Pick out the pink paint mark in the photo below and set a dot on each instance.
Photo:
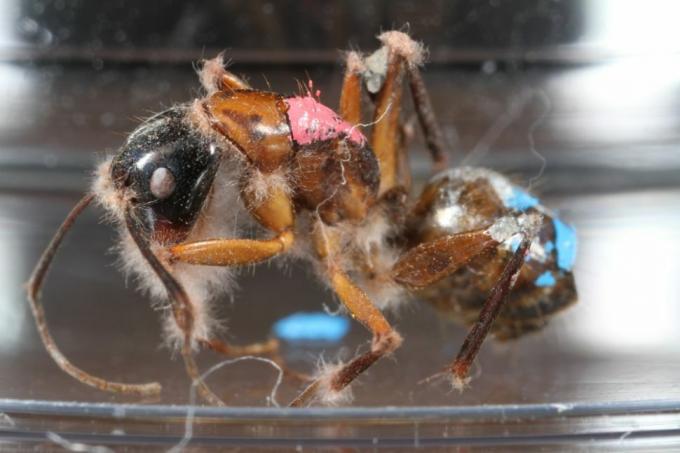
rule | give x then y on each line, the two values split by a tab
312	121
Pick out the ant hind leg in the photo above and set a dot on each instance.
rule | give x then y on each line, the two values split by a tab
429	262
490	311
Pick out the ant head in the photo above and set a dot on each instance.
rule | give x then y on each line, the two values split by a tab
166	169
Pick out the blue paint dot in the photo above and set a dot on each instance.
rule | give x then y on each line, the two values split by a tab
549	247
565	242
315	326
545	279
520	200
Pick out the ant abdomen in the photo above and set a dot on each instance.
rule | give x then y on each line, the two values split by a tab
468	199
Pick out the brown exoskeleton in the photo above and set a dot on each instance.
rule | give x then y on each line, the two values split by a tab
325	193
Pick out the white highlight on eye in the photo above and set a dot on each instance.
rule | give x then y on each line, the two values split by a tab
162	183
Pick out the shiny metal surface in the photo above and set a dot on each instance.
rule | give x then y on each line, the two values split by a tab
609	133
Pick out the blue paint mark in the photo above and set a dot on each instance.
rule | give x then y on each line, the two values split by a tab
545	279
549	247
316	326
565	242
520	200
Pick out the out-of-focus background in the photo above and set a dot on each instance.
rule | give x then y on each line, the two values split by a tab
578	99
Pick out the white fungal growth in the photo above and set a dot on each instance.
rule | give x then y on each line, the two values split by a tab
354	63
211	72
412	51
261	184
460	384
222	217
325	393
504	228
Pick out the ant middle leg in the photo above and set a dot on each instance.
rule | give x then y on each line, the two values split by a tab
350	96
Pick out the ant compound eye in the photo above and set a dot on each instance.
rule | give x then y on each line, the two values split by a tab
162	183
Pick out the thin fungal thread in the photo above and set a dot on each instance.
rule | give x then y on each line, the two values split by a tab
547	108
370	123
191	408
497	127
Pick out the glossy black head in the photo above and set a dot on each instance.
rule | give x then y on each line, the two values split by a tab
168	168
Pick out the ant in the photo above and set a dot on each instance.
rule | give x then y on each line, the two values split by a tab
190	180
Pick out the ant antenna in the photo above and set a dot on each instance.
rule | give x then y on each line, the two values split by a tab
33	288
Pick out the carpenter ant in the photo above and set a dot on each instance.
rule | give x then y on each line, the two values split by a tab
480	249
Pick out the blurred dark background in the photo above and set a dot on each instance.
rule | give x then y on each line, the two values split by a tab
175	29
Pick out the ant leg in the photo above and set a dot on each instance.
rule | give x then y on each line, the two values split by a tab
492	307
429	262
215	78
182	308
230	252
403	54
385	135
231	81
350	96
428	121
275	212
385	339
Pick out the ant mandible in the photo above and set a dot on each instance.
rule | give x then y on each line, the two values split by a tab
477	247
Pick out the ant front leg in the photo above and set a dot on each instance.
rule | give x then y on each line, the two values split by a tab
385	339
274	212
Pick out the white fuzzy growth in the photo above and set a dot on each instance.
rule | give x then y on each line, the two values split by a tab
504	228
368	241
460	384
354	63
219	219
105	193
325	394
403	45
260	185
503	187
198	118
211	72
500	183
530	224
